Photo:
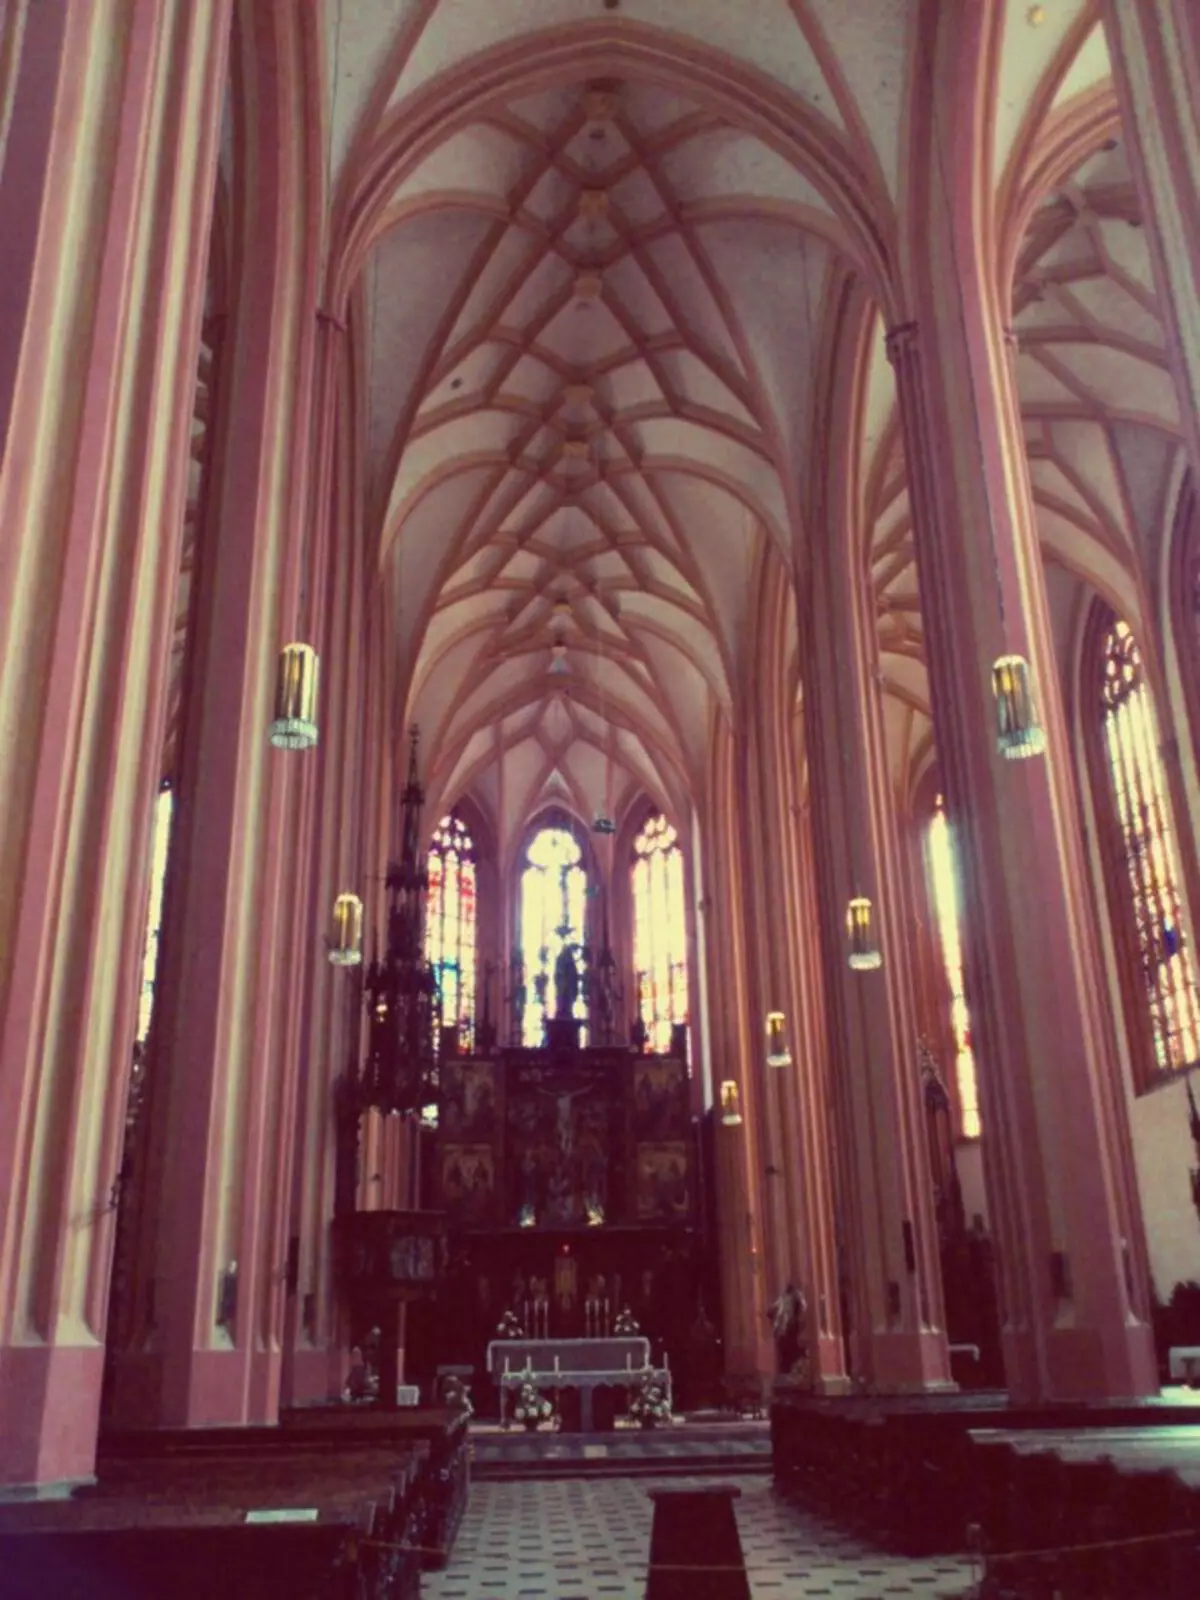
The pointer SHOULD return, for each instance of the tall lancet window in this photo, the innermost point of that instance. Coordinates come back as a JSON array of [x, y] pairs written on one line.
[[450, 922], [1142, 811], [943, 878], [160, 839], [553, 915], [659, 931]]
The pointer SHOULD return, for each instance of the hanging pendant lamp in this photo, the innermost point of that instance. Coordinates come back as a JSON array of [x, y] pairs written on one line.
[[865, 954], [1019, 734], [731, 1109], [778, 1053], [345, 944], [294, 726]]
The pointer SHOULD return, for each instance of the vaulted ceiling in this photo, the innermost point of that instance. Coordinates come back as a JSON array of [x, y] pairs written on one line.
[[591, 286]]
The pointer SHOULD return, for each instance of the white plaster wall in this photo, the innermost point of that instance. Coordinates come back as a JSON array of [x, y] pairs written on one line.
[[1164, 1154], [969, 1160]]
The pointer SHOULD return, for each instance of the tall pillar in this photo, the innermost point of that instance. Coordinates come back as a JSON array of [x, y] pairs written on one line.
[[738, 1160], [330, 999], [887, 1227], [1062, 1195], [790, 1103], [112, 148], [1154, 46], [239, 939]]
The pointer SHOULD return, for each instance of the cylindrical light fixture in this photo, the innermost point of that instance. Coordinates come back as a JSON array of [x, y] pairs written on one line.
[[1018, 731], [731, 1109], [345, 943], [294, 726], [864, 952], [778, 1054]]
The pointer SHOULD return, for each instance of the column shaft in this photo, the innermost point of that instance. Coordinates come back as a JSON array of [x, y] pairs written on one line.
[[120, 105]]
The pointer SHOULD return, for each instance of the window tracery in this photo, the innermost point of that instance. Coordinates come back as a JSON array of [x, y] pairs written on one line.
[[451, 922], [659, 931], [1142, 812], [554, 888], [943, 876]]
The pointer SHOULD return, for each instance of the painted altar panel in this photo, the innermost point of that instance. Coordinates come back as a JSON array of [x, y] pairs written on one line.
[[535, 1139], [468, 1174], [559, 1137]]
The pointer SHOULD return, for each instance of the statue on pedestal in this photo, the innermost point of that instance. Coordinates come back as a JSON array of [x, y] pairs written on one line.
[[566, 984], [788, 1326]]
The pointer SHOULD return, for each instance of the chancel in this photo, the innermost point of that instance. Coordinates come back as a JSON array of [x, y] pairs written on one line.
[[599, 693]]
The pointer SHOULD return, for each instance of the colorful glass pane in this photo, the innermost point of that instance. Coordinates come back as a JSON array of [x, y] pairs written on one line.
[[160, 839], [659, 931], [450, 923], [1143, 815], [943, 875], [553, 914]]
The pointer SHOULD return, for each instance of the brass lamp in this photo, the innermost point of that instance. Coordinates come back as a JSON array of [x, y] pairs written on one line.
[[731, 1110], [294, 726], [345, 944], [1019, 734], [778, 1053], [864, 952]]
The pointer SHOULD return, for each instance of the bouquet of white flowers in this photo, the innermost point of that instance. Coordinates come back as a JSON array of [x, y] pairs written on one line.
[[532, 1407], [626, 1323], [650, 1405], [509, 1327]]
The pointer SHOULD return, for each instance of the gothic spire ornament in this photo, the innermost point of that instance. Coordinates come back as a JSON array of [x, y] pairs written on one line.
[[401, 989]]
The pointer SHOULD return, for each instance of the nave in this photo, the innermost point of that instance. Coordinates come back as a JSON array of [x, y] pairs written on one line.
[[581, 1539]]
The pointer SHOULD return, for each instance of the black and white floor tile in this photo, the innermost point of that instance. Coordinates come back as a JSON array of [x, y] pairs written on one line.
[[588, 1539]]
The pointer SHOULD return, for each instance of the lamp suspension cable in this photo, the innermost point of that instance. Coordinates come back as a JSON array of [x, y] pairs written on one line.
[[1019, 731], [603, 823], [294, 725], [863, 953]]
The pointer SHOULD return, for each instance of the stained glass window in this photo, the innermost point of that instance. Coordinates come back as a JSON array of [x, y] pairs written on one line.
[[553, 915], [450, 922], [943, 877], [659, 931], [1143, 814], [160, 838]]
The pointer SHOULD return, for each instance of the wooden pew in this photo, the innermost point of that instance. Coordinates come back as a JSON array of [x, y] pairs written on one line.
[[184, 1527]]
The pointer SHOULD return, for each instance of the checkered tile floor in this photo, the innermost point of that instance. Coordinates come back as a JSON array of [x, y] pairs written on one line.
[[579, 1539]]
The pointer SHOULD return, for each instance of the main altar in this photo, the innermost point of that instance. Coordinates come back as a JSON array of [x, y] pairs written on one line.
[[570, 1179]]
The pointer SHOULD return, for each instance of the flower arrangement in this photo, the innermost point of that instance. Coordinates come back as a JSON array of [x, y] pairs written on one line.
[[626, 1324], [509, 1327], [532, 1408], [650, 1406]]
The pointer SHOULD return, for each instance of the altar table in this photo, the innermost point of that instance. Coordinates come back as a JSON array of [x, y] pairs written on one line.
[[583, 1364]]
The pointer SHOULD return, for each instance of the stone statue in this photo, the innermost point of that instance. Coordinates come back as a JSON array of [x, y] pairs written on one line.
[[788, 1326], [566, 984]]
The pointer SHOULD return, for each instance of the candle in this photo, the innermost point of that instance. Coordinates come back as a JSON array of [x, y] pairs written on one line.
[[556, 1367]]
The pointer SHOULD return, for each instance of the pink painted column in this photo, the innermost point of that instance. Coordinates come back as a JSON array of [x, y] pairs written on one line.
[[330, 999], [738, 1158], [1062, 1199], [107, 186], [887, 1228], [1154, 46], [238, 939], [790, 1103]]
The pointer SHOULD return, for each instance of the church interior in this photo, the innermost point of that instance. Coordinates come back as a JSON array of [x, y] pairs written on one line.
[[599, 800]]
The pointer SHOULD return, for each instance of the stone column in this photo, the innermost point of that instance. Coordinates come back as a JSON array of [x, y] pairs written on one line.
[[1154, 46], [107, 186], [239, 941], [738, 1162], [888, 1230], [1062, 1194], [790, 1103], [1062, 1198]]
